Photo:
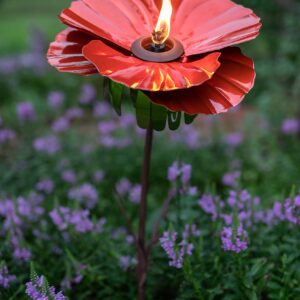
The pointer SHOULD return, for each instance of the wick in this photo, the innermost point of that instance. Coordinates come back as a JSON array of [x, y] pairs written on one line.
[[158, 47], [157, 37]]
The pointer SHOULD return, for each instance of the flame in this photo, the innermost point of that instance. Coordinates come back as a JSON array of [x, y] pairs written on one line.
[[163, 27]]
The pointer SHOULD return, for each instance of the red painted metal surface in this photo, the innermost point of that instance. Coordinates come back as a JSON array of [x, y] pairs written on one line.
[[100, 35], [227, 88], [142, 75]]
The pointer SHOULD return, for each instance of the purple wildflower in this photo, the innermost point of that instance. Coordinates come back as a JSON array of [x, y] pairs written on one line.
[[107, 127], [22, 254], [126, 262], [290, 126], [64, 218], [35, 290], [5, 278], [177, 170], [208, 203], [48, 144], [61, 125], [135, 194], [127, 120], [69, 176], [30, 208], [292, 210], [98, 176], [45, 186], [25, 111], [234, 139], [74, 113], [101, 109], [6, 135], [56, 99], [231, 179], [234, 241], [88, 94], [123, 187], [173, 171], [85, 194], [186, 171], [175, 252]]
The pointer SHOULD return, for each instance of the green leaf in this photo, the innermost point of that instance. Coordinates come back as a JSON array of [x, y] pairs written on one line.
[[258, 268], [189, 119], [116, 95], [143, 110], [174, 119], [158, 117]]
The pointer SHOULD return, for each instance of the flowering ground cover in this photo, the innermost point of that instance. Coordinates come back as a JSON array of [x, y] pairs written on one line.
[[70, 180]]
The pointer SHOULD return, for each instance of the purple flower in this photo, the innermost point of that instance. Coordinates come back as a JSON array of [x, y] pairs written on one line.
[[173, 171], [292, 210], [123, 186], [127, 120], [85, 194], [35, 290], [68, 282], [231, 179], [101, 109], [64, 218], [30, 208], [61, 125], [49, 145], [6, 135], [88, 94], [176, 252], [208, 203], [8, 65], [107, 127], [177, 170], [186, 171], [69, 176], [25, 111], [234, 241], [74, 113], [290, 126], [135, 194], [126, 262], [234, 139], [45, 186], [5, 278], [56, 99], [98, 176], [22, 254]]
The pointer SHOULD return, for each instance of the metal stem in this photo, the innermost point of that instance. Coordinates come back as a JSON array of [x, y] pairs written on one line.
[[142, 266]]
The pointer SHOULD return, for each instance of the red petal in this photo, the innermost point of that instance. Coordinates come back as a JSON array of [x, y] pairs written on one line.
[[120, 22], [65, 53], [208, 25], [228, 87], [142, 75]]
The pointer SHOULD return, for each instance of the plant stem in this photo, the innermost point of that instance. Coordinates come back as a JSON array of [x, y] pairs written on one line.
[[142, 266]]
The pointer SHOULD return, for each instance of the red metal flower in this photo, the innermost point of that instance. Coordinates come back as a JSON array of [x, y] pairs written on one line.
[[209, 78]]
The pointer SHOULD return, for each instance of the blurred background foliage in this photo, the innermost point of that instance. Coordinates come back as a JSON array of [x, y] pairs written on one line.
[[267, 157]]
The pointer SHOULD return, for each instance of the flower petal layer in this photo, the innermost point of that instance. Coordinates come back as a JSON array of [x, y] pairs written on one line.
[[227, 88], [120, 22], [65, 53], [208, 25], [138, 74]]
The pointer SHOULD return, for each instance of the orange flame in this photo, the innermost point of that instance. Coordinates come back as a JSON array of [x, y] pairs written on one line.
[[163, 27]]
